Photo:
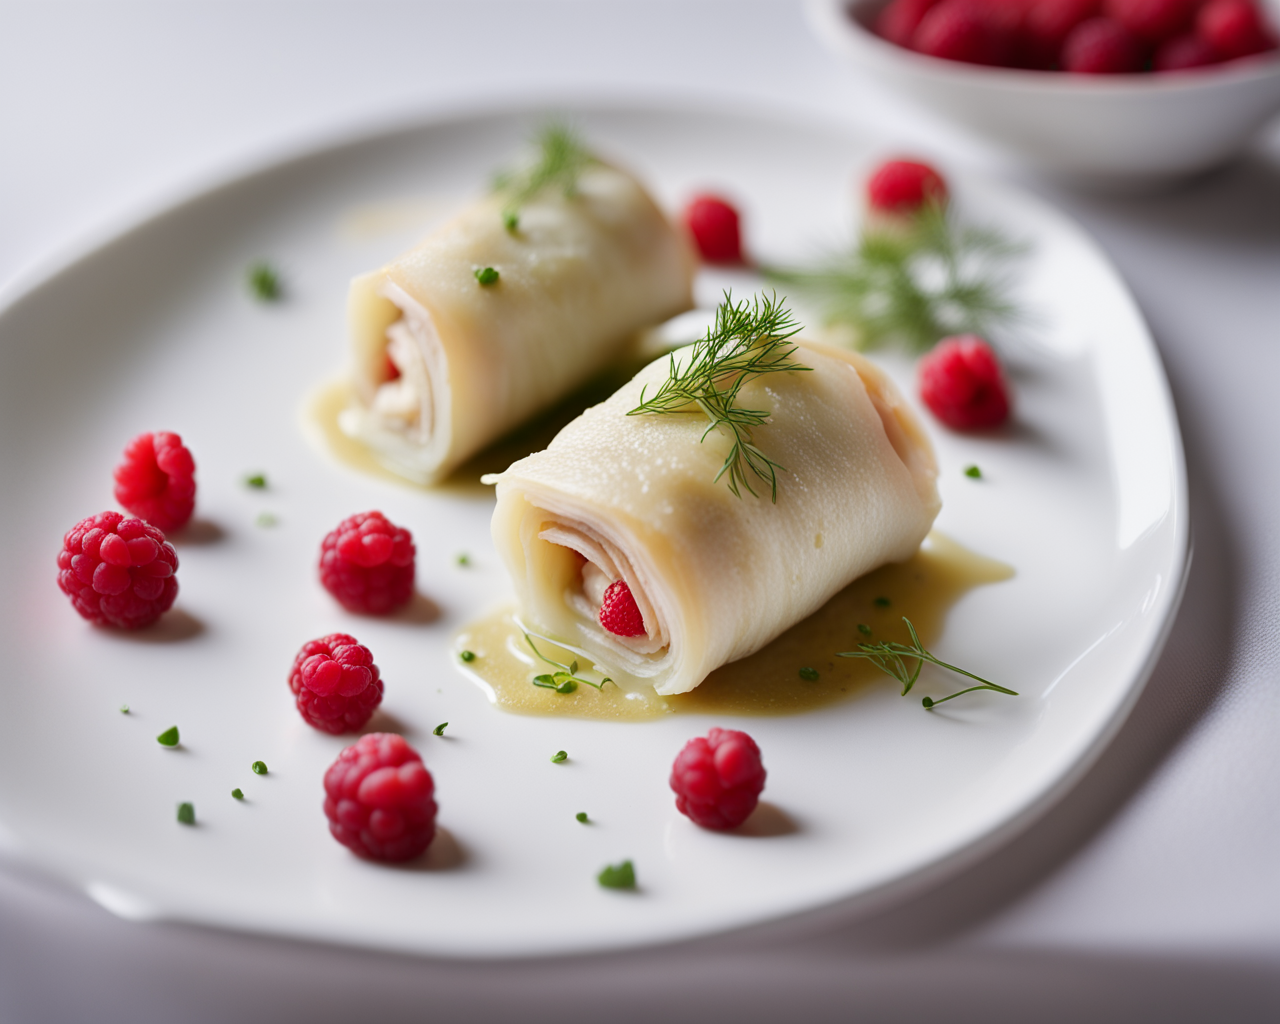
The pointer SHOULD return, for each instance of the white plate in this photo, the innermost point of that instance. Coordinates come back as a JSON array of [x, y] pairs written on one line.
[[1086, 499]]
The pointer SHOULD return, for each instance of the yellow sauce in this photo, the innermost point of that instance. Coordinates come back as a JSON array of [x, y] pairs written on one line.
[[923, 589]]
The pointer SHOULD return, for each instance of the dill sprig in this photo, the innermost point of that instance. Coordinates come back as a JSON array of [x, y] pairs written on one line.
[[566, 678], [913, 282], [747, 341], [561, 160], [892, 658]]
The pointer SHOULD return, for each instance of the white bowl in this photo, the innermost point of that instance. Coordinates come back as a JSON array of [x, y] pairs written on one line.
[[1105, 129]]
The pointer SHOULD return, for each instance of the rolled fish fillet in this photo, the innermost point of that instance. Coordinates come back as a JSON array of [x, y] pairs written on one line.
[[444, 365], [715, 577]]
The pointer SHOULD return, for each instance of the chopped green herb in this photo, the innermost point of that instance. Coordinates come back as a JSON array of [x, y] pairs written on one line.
[[264, 282], [464, 559], [187, 813], [974, 472], [168, 738], [811, 674], [618, 876], [259, 767], [124, 709], [559, 756], [566, 680], [749, 340], [439, 729], [258, 480], [890, 657], [487, 276], [468, 655], [914, 283], [582, 817], [881, 602], [864, 629], [237, 793], [511, 220], [266, 519]]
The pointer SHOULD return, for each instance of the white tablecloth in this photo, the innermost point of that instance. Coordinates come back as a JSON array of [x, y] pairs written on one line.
[[1150, 893]]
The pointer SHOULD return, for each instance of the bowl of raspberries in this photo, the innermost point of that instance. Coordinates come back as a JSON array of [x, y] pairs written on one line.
[[1110, 92]]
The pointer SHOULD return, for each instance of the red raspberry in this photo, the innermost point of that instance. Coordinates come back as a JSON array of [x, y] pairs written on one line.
[[1152, 20], [1183, 52], [718, 780], [1047, 24], [156, 481], [903, 186], [336, 683], [367, 564], [118, 571], [378, 799], [899, 21], [714, 224], [619, 613], [1234, 28], [962, 384], [1101, 46], [959, 30]]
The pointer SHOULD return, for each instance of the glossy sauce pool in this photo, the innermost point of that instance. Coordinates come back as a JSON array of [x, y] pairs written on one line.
[[923, 589]]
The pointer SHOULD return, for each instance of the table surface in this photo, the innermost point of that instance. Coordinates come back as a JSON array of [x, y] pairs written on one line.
[[1149, 892]]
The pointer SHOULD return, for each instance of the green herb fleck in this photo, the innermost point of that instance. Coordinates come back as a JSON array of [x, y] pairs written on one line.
[[974, 472], [914, 283], [266, 519], [468, 655], [237, 793], [892, 658], [464, 560], [811, 674], [582, 817], [264, 282], [487, 276], [561, 160], [559, 756], [259, 767], [749, 340], [566, 679], [864, 629], [168, 738], [618, 876], [124, 709], [257, 480], [439, 729], [187, 813], [881, 602]]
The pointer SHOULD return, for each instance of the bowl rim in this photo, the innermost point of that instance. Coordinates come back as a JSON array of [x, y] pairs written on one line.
[[841, 24]]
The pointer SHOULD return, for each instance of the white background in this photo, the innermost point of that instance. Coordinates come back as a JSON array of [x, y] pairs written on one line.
[[1151, 892]]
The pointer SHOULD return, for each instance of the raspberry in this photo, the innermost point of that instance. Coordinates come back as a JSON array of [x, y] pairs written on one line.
[[378, 799], [1152, 20], [898, 22], [1183, 52], [958, 30], [367, 564], [1101, 46], [336, 683], [962, 384], [1047, 24], [713, 222], [118, 571], [618, 611], [1234, 28], [156, 481], [718, 779], [902, 186]]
